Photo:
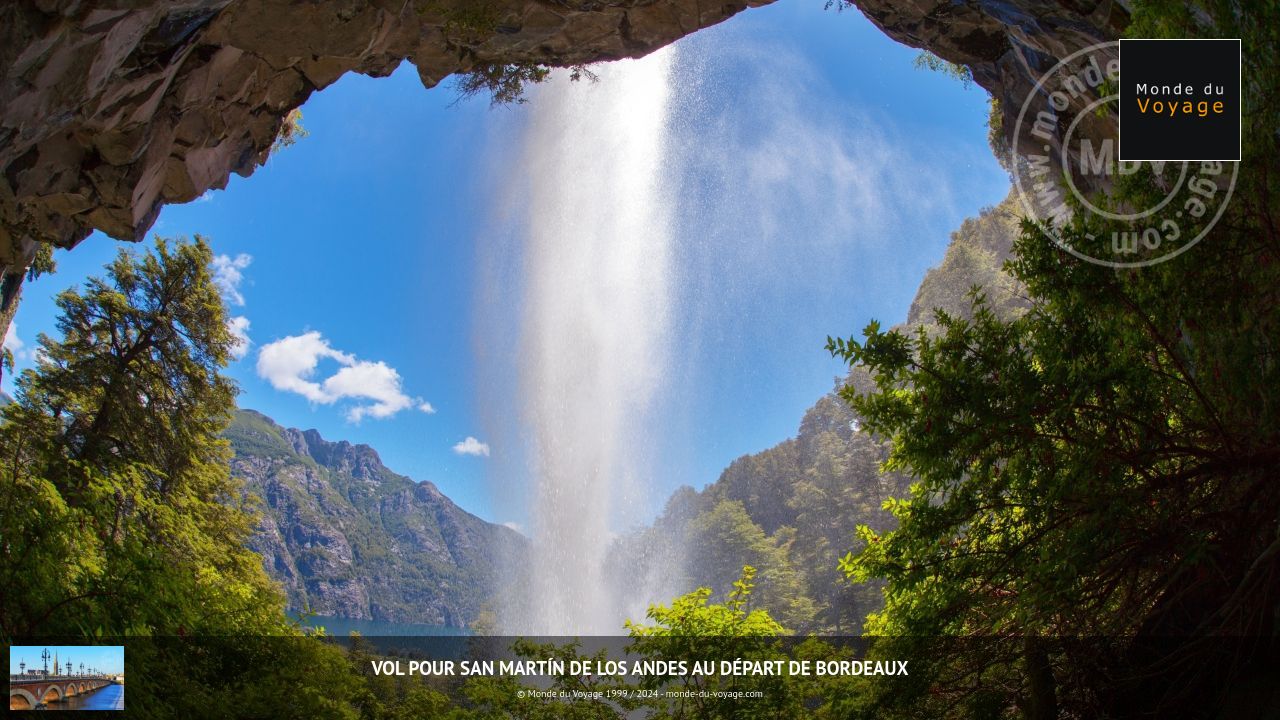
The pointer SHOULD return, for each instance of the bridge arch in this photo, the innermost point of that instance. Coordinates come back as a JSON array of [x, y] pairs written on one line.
[[53, 693], [20, 699], [70, 690]]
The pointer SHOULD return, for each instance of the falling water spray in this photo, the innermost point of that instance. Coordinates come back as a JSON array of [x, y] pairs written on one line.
[[596, 251]]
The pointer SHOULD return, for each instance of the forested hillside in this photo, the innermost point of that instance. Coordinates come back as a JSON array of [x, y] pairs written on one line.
[[790, 510]]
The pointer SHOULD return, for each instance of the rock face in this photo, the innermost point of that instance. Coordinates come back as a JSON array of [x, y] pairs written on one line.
[[1006, 43], [1009, 45], [109, 110], [346, 536]]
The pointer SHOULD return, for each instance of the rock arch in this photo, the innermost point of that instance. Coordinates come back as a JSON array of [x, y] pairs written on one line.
[[106, 114]]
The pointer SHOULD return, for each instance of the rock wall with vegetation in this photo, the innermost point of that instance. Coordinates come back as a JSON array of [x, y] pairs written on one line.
[[344, 535], [110, 110]]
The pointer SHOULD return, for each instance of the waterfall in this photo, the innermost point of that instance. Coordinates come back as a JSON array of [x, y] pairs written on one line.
[[710, 198], [595, 238]]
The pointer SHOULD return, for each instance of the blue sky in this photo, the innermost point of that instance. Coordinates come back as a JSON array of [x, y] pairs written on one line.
[[108, 659], [819, 175]]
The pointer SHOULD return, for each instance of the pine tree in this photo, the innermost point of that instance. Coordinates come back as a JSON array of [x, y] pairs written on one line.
[[120, 513]]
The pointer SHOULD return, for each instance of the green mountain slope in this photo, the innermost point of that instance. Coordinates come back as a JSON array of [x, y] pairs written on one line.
[[977, 251], [346, 536], [791, 510]]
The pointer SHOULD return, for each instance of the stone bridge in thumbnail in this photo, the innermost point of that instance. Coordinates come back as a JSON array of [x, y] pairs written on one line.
[[38, 691]]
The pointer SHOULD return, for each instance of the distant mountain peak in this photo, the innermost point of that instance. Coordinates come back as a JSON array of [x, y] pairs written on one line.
[[345, 535], [360, 460]]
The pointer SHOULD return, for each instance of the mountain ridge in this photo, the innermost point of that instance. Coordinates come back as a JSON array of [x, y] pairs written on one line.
[[346, 536]]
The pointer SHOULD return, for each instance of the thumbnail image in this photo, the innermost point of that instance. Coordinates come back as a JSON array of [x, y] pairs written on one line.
[[66, 677]]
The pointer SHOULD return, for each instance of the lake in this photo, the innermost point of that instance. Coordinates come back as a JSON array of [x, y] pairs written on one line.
[[341, 627]]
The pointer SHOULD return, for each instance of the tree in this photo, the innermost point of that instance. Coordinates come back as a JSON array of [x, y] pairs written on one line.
[[841, 480], [726, 538], [1101, 467], [120, 513], [1095, 518], [120, 516], [958, 71], [692, 628]]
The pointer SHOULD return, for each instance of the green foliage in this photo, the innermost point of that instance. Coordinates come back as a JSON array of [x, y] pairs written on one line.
[[470, 24], [291, 131], [114, 470], [255, 435], [799, 499], [928, 61], [727, 538], [996, 138], [485, 698], [785, 511], [1166, 19], [388, 697], [690, 616], [241, 676], [506, 83], [43, 263], [121, 517], [691, 628], [1100, 466], [1082, 467], [974, 257]]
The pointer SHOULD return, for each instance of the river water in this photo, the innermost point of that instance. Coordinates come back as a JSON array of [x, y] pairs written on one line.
[[110, 697]]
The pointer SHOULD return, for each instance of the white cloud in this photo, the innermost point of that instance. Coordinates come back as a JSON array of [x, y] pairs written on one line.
[[472, 446], [287, 363], [290, 364], [227, 276], [374, 380], [205, 197], [239, 328], [12, 342], [514, 526]]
